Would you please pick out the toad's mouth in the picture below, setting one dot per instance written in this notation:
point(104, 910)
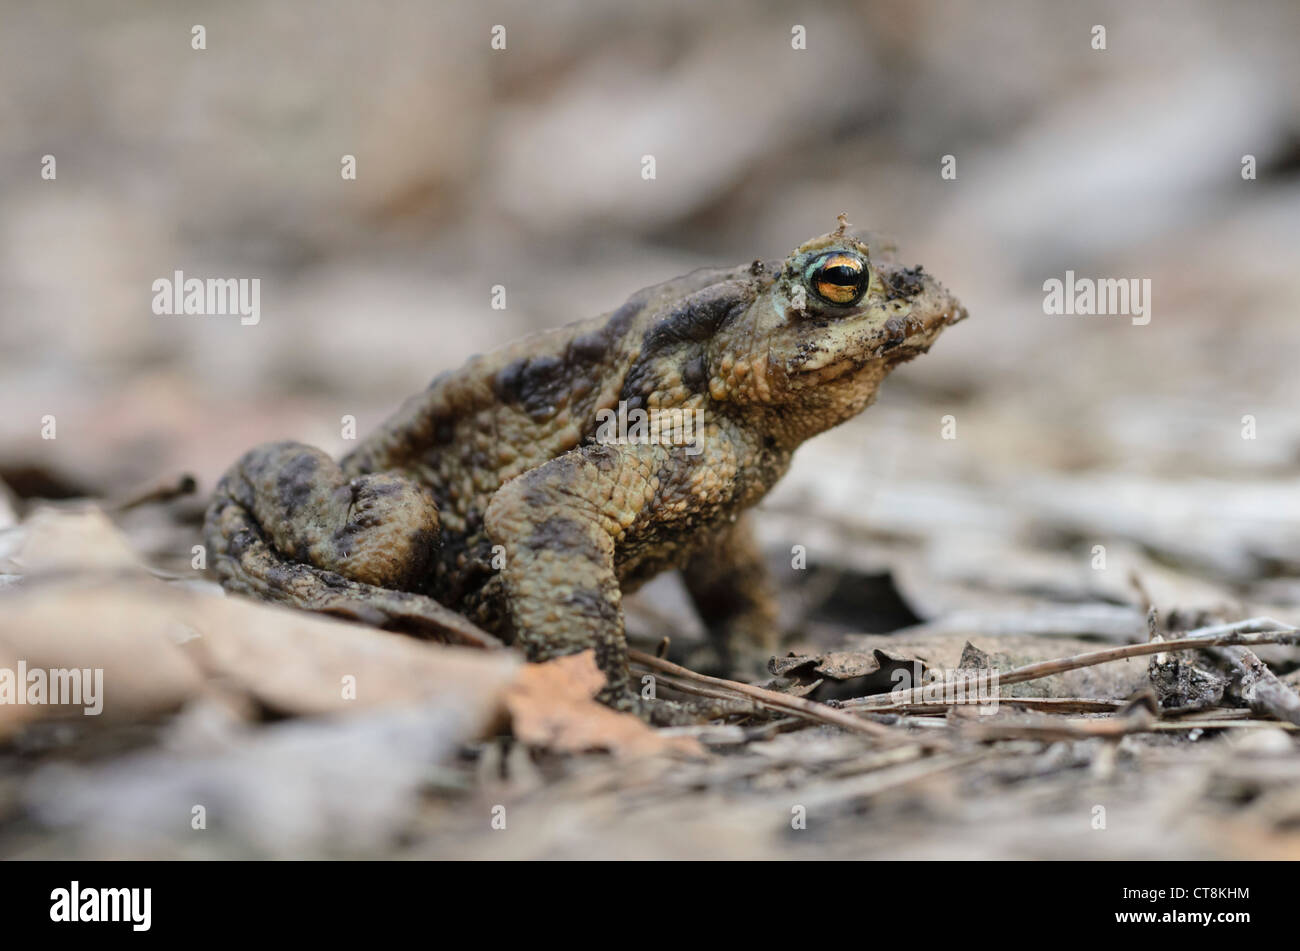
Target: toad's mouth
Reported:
point(899, 340)
point(826, 371)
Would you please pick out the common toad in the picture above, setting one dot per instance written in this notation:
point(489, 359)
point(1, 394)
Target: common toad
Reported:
point(506, 491)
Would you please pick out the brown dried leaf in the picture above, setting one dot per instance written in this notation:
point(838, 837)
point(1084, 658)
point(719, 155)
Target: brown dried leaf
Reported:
point(160, 645)
point(552, 707)
point(61, 542)
point(296, 662)
point(841, 675)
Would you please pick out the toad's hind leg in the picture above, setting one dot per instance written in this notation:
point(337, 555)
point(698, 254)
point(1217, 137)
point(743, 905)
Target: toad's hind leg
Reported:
point(287, 525)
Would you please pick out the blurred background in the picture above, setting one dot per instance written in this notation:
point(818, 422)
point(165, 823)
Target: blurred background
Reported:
point(522, 167)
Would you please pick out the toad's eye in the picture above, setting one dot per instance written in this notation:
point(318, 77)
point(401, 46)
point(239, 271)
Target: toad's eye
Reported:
point(839, 278)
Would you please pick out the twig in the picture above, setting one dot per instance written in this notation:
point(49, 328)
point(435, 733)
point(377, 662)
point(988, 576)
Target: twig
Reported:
point(1047, 668)
point(1251, 625)
point(1259, 686)
point(1135, 716)
point(1222, 723)
point(1041, 704)
point(163, 491)
point(772, 700)
point(885, 779)
point(1105, 728)
point(1194, 715)
point(1256, 683)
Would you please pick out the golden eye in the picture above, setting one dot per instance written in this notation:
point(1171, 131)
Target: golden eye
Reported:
point(839, 278)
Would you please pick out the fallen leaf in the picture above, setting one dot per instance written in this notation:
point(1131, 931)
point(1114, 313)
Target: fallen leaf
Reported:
point(552, 706)
point(86, 603)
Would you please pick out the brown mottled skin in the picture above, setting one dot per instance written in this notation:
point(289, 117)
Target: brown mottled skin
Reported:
point(503, 452)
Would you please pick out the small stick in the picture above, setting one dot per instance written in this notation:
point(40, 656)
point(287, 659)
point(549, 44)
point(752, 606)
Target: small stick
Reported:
point(164, 491)
point(1107, 728)
point(1047, 668)
point(885, 779)
point(1226, 723)
point(1259, 686)
point(1252, 625)
point(1194, 715)
point(1042, 704)
point(1136, 716)
point(772, 700)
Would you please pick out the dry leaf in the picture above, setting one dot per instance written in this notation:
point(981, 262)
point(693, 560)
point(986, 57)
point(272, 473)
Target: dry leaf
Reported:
point(85, 604)
point(552, 706)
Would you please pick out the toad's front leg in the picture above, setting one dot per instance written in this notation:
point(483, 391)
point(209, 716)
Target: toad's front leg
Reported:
point(561, 525)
